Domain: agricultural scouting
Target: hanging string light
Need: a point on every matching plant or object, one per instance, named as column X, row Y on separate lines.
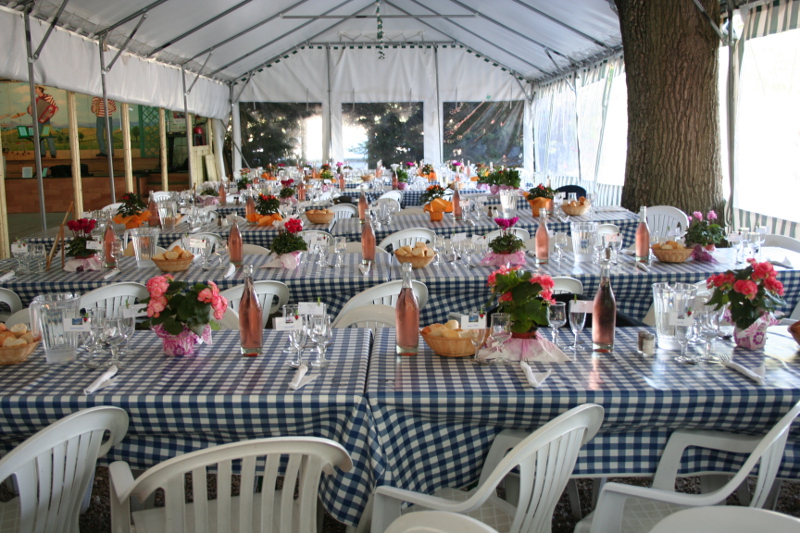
column 381, row 55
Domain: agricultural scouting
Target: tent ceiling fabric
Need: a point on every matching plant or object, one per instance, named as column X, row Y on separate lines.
column 537, row 39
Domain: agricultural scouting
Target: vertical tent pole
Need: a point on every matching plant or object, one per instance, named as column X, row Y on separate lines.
column 5, row 251
column 606, row 97
column 188, row 127
column 37, row 149
column 731, row 93
column 330, row 107
column 109, row 140
column 75, row 151
column 125, row 124
column 438, row 105
column 162, row 142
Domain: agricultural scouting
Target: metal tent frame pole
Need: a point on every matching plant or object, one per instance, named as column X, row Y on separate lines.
column 330, row 106
column 438, row 105
column 188, row 126
column 37, row 149
column 109, row 140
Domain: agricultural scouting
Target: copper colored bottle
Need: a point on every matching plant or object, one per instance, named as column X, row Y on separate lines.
column 153, row 221
column 362, row 207
column 251, row 327
column 604, row 313
column 395, row 182
column 457, row 214
column 235, row 245
column 407, row 316
column 643, row 238
column 542, row 239
column 223, row 195
column 342, row 184
column 301, row 193
column 249, row 207
column 367, row 243
column 109, row 237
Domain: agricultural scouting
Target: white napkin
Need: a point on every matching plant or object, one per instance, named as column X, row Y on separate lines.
column 756, row 375
column 534, row 378
column 300, row 380
column 275, row 263
column 785, row 263
column 230, row 272
column 365, row 268
column 111, row 273
column 642, row 266
column 8, row 275
column 609, row 209
column 99, row 382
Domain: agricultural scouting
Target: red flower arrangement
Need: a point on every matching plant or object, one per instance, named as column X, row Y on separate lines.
column 750, row 292
column 81, row 234
column 524, row 296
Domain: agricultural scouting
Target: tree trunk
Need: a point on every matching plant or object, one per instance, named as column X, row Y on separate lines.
column 671, row 64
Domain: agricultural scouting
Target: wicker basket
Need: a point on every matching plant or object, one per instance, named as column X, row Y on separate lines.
column 415, row 260
column 367, row 177
column 173, row 265
column 12, row 356
column 320, row 218
column 794, row 329
column 575, row 210
column 461, row 347
column 673, row 256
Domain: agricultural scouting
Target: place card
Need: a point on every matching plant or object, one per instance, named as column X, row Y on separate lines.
column 94, row 245
column 473, row 321
column 675, row 319
column 311, row 308
column 196, row 242
column 185, row 210
column 457, row 237
column 293, row 323
column 319, row 240
column 86, row 214
column 477, row 238
column 77, row 325
column 19, row 248
column 581, row 306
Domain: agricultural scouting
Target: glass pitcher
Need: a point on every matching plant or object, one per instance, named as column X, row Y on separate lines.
column 144, row 245
column 668, row 299
column 52, row 316
column 583, row 236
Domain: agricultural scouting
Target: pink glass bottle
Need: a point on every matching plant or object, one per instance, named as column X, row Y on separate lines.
column 542, row 239
column 342, row 184
column 301, row 193
column 223, row 195
column 362, row 207
column 251, row 327
column 407, row 316
column 153, row 220
column 367, row 243
column 235, row 245
column 457, row 213
column 395, row 182
column 250, row 208
column 604, row 313
column 109, row 238
column 643, row 238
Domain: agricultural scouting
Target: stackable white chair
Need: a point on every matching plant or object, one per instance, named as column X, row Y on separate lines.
column 115, row 297
column 300, row 461
column 629, row 508
column 519, row 232
column 341, row 211
column 160, row 195
column 367, row 316
column 394, row 205
column 394, row 195
column 254, row 249
column 384, row 294
column 545, row 458
column 662, row 218
column 407, row 236
column 608, row 228
column 565, row 284
column 112, row 208
column 727, row 519
column 309, row 234
column 212, row 238
column 438, row 522
column 10, row 298
column 272, row 295
column 54, row 469
column 355, row 248
column 782, row 241
column 410, row 211
column 23, row 316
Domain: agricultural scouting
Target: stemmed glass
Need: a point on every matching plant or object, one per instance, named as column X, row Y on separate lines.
column 500, row 332
column 577, row 319
column 117, row 253
column 438, row 247
column 682, row 333
column 206, row 251
column 557, row 314
column 321, row 334
column 339, row 247
column 115, row 332
column 735, row 239
column 614, row 242
column 560, row 242
column 708, row 324
column 297, row 337
column 760, row 239
column 599, row 245
column 93, row 339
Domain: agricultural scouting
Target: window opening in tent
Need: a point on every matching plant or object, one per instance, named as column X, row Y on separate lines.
column 484, row 132
column 289, row 133
column 391, row 132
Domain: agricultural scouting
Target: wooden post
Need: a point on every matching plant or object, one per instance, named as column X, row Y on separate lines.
column 5, row 248
column 126, row 147
column 189, row 145
column 162, row 142
column 75, row 153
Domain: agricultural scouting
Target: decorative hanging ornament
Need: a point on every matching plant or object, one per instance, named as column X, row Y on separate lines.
column 381, row 55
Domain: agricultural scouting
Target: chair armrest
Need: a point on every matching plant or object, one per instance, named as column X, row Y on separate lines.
column 387, row 501
column 503, row 442
column 120, row 480
column 670, row 462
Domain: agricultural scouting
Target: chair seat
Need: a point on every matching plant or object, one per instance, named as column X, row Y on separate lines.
column 154, row 520
column 640, row 516
column 495, row 512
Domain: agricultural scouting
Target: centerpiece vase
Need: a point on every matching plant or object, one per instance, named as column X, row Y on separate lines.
column 754, row 337
column 185, row 343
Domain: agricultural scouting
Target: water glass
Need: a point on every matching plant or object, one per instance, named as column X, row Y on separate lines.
column 577, row 319
column 93, row 339
column 500, row 332
column 560, row 242
column 37, row 258
column 116, row 331
column 340, row 247
column 297, row 337
column 557, row 315
column 321, row 334
column 707, row 320
column 614, row 243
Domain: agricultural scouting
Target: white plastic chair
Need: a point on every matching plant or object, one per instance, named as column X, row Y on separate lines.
column 115, row 297
column 630, row 508
column 309, row 234
column 160, row 195
column 565, row 284
column 55, row 468
column 367, row 316
column 11, row 299
column 305, row 458
column 393, row 204
column 394, row 195
column 341, row 211
column 662, row 218
column 112, row 208
column 727, row 519
column 545, row 459
column 437, row 522
column 782, row 241
column 213, row 238
column 519, row 232
column 407, row 236
column 23, row 316
column 355, row 248
column 272, row 295
column 410, row 211
column 609, row 228
column 254, row 249
column 384, row 294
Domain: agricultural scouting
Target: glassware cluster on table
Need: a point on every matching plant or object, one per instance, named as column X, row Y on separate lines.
column 315, row 328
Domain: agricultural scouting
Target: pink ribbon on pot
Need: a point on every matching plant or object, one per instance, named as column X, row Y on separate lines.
column 493, row 259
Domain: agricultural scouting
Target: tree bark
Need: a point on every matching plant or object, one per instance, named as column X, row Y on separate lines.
column 671, row 64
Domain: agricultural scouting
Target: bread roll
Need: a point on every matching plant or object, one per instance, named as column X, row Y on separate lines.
column 452, row 324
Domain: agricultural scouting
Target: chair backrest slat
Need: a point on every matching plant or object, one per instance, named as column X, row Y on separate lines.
column 290, row 480
column 224, row 476
column 200, row 495
column 247, row 495
column 271, row 470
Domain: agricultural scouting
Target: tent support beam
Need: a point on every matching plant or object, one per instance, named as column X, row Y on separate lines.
column 275, row 40
column 565, row 25
column 386, row 45
column 249, row 77
column 50, row 29
column 303, row 17
column 75, row 152
column 127, row 41
column 330, row 105
column 145, row 9
column 438, row 105
column 188, row 127
column 235, row 121
column 37, row 148
column 197, row 76
column 711, row 21
column 196, row 28
column 109, row 140
column 162, row 143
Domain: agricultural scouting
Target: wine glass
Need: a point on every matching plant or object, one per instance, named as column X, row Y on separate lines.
column 577, row 319
column 614, row 242
column 682, row 331
column 708, row 325
column 117, row 253
column 115, row 332
column 321, row 335
column 560, row 242
column 297, row 337
column 599, row 245
column 206, row 251
column 761, row 237
column 500, row 332
column 439, row 247
column 340, row 247
column 93, row 339
column 557, row 315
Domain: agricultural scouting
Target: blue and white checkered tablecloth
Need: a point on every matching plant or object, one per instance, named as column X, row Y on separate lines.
column 436, row 417
column 333, row 286
column 179, row 405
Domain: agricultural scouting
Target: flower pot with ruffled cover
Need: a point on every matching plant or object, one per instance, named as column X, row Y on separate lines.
column 133, row 211
column 525, row 296
column 435, row 204
column 183, row 319
column 83, row 255
column 703, row 235
column 541, row 197
column 752, row 294
column 288, row 245
column 506, row 249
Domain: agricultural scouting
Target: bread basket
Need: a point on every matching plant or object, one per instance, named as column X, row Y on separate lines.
column 173, row 265
column 575, row 210
column 794, row 330
column 417, row 261
column 673, row 256
column 320, row 218
column 17, row 354
column 367, row 177
column 461, row 347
